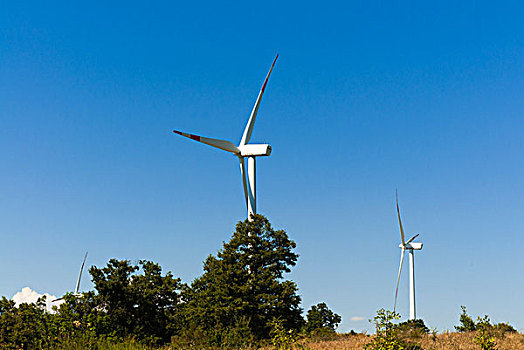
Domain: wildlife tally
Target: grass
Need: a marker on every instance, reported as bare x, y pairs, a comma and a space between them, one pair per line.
445, 341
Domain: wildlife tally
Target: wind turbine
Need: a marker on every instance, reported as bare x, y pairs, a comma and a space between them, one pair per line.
76, 294
243, 150
410, 246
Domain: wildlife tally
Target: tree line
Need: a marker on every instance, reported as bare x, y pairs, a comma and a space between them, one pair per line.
240, 299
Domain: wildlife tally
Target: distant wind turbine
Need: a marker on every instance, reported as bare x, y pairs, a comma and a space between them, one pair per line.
410, 246
76, 294
243, 150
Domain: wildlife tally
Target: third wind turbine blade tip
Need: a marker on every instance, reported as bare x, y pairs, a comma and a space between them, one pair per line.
266, 80
222, 144
251, 122
191, 136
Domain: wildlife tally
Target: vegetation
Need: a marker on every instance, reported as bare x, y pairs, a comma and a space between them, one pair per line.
485, 331
241, 300
284, 339
411, 326
321, 318
444, 341
386, 337
485, 339
414, 335
466, 322
242, 288
483, 324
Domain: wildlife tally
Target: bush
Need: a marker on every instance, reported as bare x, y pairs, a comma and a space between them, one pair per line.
483, 324
486, 331
387, 336
503, 328
466, 322
282, 338
321, 317
412, 329
484, 337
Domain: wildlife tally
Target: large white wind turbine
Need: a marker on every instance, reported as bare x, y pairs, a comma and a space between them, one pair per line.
243, 150
76, 294
410, 246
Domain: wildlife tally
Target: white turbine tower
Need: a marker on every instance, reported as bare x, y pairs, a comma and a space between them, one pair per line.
243, 150
76, 294
410, 246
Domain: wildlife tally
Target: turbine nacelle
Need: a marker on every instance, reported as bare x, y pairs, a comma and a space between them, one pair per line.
255, 150
412, 245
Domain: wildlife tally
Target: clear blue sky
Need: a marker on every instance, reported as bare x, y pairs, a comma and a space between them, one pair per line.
366, 97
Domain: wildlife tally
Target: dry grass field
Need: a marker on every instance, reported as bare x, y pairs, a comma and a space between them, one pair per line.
445, 341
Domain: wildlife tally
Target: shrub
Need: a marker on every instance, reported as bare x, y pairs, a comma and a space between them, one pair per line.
484, 337
417, 325
387, 336
466, 322
503, 328
282, 338
412, 329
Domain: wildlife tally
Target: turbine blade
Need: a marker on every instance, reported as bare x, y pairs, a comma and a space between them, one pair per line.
251, 122
80, 274
398, 279
222, 144
400, 221
412, 238
243, 173
57, 299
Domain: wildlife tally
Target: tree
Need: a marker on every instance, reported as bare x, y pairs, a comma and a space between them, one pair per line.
136, 304
24, 326
244, 282
321, 317
466, 322
77, 319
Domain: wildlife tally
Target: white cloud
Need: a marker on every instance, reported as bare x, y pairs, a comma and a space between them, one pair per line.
356, 318
27, 295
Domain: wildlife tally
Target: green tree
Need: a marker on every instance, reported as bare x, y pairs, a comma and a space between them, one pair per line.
386, 337
466, 322
321, 317
129, 303
485, 338
115, 297
244, 281
76, 319
24, 326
